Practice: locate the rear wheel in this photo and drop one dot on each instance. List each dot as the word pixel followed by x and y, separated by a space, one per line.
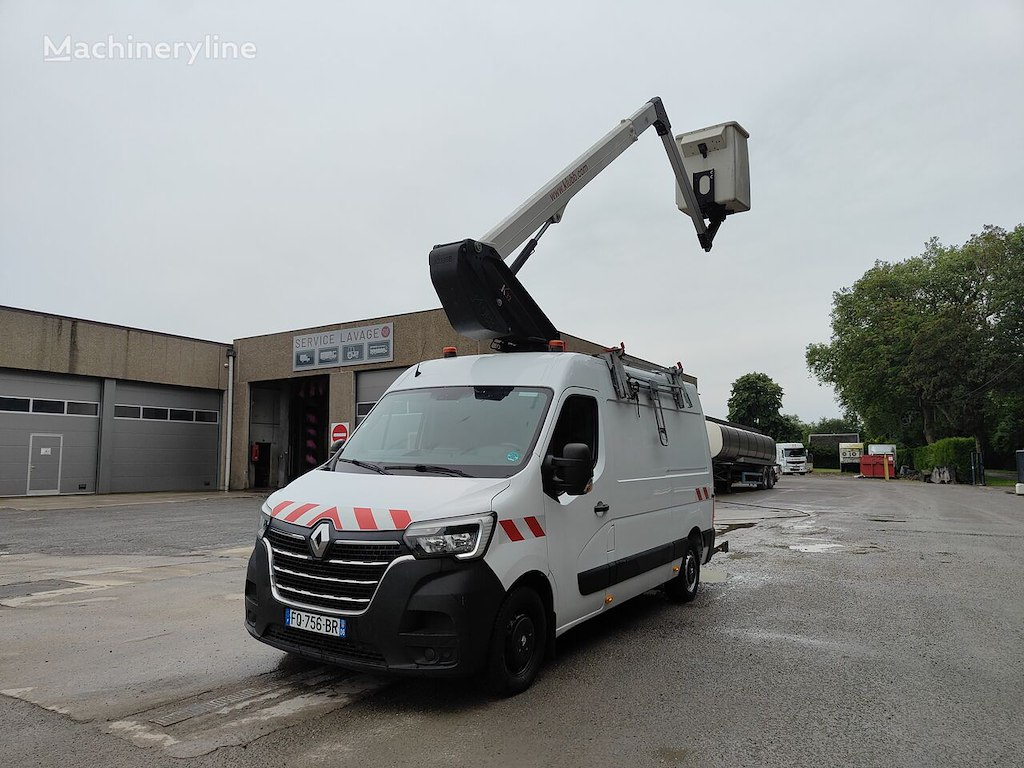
pixel 518 642
pixel 683 587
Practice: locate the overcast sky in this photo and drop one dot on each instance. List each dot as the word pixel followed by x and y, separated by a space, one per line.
pixel 305 184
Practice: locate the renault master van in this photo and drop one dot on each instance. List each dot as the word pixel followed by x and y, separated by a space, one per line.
pixel 487 505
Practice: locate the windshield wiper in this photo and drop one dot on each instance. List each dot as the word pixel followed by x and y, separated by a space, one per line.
pixel 366 465
pixel 432 468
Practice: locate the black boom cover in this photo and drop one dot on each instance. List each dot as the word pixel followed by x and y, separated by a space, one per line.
pixel 483 298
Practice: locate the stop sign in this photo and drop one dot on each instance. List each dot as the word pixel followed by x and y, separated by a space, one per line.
pixel 339 431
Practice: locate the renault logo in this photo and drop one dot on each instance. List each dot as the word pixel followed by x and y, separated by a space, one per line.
pixel 319 539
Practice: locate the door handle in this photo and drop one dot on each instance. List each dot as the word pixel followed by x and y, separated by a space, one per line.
pixel 600 508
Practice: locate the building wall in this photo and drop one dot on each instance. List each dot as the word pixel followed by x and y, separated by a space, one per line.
pixel 106 453
pixel 39 342
pixel 81 362
pixel 417 336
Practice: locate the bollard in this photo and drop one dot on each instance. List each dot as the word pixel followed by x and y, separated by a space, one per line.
pixel 1020 473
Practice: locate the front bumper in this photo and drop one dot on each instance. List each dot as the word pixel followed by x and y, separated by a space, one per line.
pixel 427 617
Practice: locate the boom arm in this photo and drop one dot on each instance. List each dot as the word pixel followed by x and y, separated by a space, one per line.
pixel 480 292
pixel 548 203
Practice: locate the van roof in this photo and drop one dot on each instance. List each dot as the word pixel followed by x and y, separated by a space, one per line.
pixel 524 369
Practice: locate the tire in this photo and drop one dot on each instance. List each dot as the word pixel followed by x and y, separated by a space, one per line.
pixel 518 643
pixel 772 479
pixel 683 587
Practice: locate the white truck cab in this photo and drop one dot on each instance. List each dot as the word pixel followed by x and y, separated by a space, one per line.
pixel 791 458
pixel 487 505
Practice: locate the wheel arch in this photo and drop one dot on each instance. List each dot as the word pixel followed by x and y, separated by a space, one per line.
pixel 540 584
pixel 696 539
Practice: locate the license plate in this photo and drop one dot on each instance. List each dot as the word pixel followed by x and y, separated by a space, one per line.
pixel 314 622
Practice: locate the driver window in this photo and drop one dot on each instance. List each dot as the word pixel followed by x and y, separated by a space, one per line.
pixel 577 423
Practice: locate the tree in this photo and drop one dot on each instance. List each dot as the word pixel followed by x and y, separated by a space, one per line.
pixel 756 401
pixel 790 430
pixel 929 347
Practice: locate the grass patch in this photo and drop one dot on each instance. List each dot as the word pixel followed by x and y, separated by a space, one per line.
pixel 825 471
pixel 1000 480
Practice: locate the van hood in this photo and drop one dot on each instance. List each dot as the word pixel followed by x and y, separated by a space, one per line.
pixel 371 502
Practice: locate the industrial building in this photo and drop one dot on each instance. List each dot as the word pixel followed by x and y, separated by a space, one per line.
pixel 89 407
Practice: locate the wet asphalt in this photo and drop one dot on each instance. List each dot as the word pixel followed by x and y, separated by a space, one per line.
pixel 852 623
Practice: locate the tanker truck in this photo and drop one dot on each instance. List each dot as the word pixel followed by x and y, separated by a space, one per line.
pixel 740 456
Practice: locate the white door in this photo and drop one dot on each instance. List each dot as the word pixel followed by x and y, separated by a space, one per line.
pixel 44 457
pixel 579 527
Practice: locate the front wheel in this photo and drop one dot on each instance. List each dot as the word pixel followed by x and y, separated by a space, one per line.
pixel 518 642
pixel 683 587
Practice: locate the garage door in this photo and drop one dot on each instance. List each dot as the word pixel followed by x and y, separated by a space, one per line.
pixel 49 427
pixel 164 439
pixel 370 386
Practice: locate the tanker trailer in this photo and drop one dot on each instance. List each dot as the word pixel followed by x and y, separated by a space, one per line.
pixel 740 455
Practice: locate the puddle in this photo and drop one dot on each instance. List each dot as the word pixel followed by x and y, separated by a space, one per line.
pixel 713 575
pixel 26 588
pixel 741 555
pixel 724 530
pixel 816 548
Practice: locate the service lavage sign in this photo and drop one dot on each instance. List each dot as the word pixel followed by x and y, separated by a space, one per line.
pixel 344 346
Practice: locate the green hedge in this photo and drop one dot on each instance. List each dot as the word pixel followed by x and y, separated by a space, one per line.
pixel 949 452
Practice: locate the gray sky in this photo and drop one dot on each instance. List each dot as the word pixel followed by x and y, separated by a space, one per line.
pixel 306 185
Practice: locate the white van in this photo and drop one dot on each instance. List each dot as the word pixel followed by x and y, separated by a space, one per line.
pixel 487 505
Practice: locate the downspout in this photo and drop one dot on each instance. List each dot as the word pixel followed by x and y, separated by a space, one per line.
pixel 229 417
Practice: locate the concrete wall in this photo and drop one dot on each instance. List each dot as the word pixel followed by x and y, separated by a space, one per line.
pixel 418 336
pixel 39 342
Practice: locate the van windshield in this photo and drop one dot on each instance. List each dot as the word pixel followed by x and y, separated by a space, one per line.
pixel 450 431
pixel 794 452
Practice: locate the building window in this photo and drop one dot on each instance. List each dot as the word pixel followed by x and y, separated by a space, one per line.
pixel 47 406
pixel 160 413
pixel 83 409
pixel 363 410
pixel 16 404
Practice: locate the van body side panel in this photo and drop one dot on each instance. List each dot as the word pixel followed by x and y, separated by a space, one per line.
pixel 662 492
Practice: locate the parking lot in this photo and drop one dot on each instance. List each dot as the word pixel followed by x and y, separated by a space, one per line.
pixel 853 622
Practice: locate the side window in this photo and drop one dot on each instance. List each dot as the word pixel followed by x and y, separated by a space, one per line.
pixel 577 423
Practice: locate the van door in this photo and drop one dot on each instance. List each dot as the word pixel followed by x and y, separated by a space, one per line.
pixel 579 527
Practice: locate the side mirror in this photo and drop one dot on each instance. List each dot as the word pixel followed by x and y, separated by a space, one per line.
pixel 571 473
pixel 336 446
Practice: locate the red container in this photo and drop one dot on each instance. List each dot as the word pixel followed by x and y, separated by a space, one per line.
pixel 874 466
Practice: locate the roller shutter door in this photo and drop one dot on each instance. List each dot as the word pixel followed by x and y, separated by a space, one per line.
pixel 50 424
pixel 370 386
pixel 164 438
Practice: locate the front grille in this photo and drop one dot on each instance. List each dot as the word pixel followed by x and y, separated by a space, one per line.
pixel 337 647
pixel 345 579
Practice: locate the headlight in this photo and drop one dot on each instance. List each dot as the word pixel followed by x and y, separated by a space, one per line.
pixel 264 521
pixel 465 538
